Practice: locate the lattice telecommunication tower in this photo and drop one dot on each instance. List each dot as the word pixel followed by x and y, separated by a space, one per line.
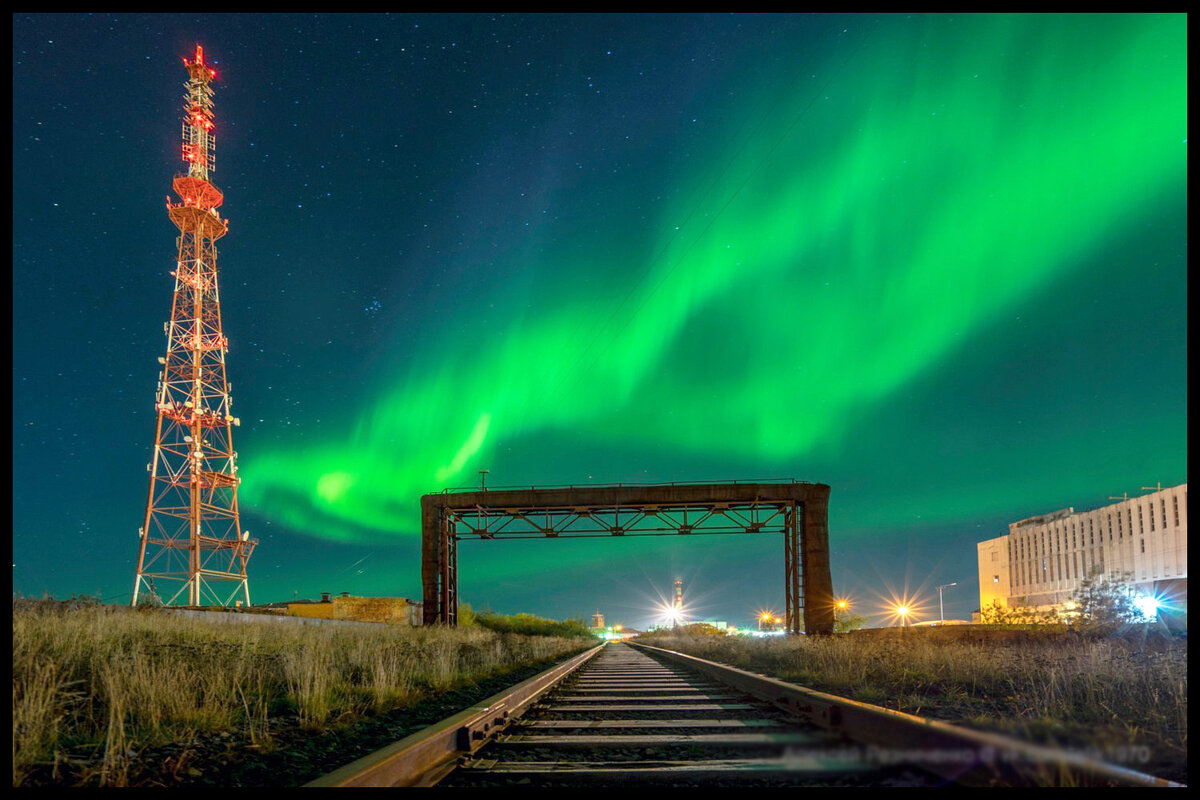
pixel 192 540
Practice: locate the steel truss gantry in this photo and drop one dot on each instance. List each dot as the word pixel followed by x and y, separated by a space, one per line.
pixel 798 510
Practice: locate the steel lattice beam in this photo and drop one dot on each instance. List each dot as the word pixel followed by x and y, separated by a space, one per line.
pixel 797 510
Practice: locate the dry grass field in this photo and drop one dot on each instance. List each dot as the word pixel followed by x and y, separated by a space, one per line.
pixel 1123 698
pixel 94 686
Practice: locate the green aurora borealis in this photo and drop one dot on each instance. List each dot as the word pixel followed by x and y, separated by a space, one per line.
pixel 890 208
pixel 938 262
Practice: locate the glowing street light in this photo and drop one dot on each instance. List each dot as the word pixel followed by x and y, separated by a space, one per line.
pixel 768 620
pixel 672 613
pixel 902 612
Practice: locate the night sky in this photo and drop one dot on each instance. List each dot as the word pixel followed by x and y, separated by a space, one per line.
pixel 938 263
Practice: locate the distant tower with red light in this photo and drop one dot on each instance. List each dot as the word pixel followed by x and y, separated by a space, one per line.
pixel 192 546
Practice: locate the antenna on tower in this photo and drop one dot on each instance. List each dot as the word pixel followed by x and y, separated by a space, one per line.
pixel 1156 488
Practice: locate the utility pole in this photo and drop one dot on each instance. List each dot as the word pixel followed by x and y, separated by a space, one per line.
pixel 941 608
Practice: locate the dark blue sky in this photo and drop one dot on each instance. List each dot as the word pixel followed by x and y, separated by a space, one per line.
pixel 939 264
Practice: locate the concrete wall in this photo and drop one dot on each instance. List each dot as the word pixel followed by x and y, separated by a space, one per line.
pixel 994 585
pixel 236 618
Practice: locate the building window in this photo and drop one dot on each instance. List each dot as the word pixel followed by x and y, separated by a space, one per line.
pixel 1175 503
pixel 995 579
pixel 1143 545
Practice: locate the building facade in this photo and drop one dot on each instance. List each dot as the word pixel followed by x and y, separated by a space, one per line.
pixel 393 610
pixel 1043 560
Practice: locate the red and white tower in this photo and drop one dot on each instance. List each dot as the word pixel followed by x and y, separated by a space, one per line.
pixel 192 543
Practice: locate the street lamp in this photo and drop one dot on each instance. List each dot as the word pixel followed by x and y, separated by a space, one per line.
pixel 941 609
pixel 902 612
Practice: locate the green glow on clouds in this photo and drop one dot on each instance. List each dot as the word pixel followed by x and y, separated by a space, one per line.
pixel 949 172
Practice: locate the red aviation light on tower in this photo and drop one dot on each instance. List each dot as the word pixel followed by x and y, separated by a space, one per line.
pixel 199 143
pixel 198 62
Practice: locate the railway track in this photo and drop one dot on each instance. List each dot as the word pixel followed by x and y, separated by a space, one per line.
pixel 637 715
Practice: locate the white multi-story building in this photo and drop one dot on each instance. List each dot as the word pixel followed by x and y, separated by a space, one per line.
pixel 1043 560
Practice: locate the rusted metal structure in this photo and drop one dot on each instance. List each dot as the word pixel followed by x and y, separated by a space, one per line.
pixel 192 539
pixel 798 510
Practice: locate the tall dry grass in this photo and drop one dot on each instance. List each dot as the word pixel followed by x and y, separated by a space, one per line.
pixel 1075 690
pixel 97 684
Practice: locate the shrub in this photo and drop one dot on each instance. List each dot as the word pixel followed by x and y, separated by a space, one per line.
pixel 1018 616
pixel 844 622
pixel 1103 605
pixel 531 625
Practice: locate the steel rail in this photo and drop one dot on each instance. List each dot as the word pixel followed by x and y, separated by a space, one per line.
pixel 428 755
pixel 963 755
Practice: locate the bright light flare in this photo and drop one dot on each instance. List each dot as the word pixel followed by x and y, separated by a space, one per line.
pixel 672 614
pixel 1148 606
pixel 767 619
pixel 902 610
